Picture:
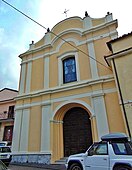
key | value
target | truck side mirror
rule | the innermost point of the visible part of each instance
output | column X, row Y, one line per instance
column 91, row 152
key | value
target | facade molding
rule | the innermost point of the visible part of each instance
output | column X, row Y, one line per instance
column 56, row 121
column 72, row 97
column 69, row 39
column 74, row 101
column 71, row 30
column 74, row 85
column 83, row 31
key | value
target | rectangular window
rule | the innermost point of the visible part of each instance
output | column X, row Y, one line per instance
column 69, row 70
column 122, row 148
column 98, row 149
column 8, row 132
column 11, row 111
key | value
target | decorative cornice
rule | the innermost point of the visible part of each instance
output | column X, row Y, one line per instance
column 81, row 32
column 99, row 27
column 66, row 87
column 77, row 43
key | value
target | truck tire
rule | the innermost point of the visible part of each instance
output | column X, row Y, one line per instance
column 122, row 167
column 75, row 166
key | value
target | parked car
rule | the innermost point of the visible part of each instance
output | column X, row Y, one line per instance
column 5, row 143
column 113, row 152
column 5, row 154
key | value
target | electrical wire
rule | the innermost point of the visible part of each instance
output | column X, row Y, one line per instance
column 54, row 33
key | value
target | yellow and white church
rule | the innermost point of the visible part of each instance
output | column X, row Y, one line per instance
column 68, row 95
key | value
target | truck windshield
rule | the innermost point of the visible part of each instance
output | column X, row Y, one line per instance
column 122, row 148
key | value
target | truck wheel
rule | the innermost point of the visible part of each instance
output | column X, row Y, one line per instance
column 122, row 167
column 75, row 166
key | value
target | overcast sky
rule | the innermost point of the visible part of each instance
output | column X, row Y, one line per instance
column 17, row 32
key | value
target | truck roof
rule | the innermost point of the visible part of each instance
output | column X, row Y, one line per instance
column 114, row 136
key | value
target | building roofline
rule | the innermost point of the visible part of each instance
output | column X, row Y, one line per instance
column 8, row 89
column 117, row 39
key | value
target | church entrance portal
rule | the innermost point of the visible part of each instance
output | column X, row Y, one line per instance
column 77, row 131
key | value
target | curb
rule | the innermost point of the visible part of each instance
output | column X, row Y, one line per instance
column 45, row 166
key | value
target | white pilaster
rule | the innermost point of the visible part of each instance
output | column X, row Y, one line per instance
column 87, row 23
column 60, row 71
column 28, row 77
column 101, row 117
column 47, row 38
column 24, row 130
column 45, row 129
column 77, row 67
column 22, row 81
column 17, row 131
column 93, row 63
column 109, row 17
column 46, row 72
column 114, row 36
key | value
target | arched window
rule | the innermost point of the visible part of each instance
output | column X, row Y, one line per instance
column 69, row 70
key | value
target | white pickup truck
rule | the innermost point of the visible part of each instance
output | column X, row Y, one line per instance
column 113, row 152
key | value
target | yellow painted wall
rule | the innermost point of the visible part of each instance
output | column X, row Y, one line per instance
column 53, row 71
column 124, row 67
column 121, row 44
column 35, row 129
column 37, row 75
column 66, row 24
column 84, row 63
column 103, row 67
column 71, row 92
column 114, row 114
column 99, row 21
column 128, row 108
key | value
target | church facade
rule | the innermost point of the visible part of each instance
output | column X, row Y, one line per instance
column 67, row 96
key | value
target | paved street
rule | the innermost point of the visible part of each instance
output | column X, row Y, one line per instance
column 35, row 167
column 23, row 168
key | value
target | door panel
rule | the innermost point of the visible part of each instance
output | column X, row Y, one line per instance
column 98, row 158
column 77, row 131
column 96, row 162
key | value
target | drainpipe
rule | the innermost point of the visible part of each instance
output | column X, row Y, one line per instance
column 121, row 97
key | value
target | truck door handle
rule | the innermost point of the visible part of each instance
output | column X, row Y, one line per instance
column 105, row 159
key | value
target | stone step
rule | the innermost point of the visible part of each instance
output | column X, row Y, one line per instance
column 61, row 161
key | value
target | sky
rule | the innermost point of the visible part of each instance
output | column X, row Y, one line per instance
column 17, row 31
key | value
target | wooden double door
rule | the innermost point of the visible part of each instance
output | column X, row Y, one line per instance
column 76, row 131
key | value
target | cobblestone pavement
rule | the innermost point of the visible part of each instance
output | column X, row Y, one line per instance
column 35, row 167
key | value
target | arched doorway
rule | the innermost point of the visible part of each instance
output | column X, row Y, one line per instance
column 77, row 131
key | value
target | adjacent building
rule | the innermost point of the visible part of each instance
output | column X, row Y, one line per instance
column 68, row 97
column 7, row 113
column 121, row 63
